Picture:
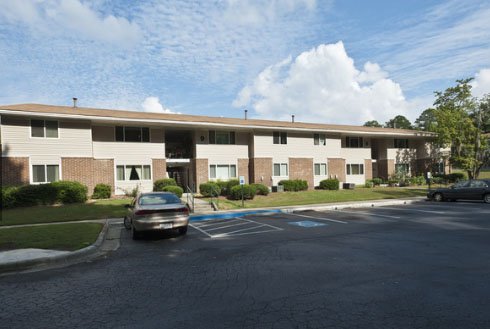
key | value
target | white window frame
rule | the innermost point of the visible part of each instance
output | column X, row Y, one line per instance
column 319, row 139
column 44, row 127
column 229, row 133
column 45, row 164
column 348, row 169
column 124, row 134
column 280, row 134
column 281, row 166
column 215, row 165
column 126, row 179
column 320, row 164
column 360, row 142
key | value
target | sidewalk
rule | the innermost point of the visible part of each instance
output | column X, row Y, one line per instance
column 109, row 237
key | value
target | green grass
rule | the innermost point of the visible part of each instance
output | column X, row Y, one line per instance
column 68, row 237
column 484, row 174
column 72, row 212
column 320, row 196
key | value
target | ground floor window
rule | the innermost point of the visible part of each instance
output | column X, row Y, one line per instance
column 402, row 168
column 355, row 169
column 280, row 169
column 222, row 171
column 438, row 168
column 133, row 172
column 320, row 169
column 45, row 173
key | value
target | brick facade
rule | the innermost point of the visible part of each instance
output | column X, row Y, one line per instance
column 103, row 173
column 261, row 171
column 88, row 171
column 201, row 170
column 386, row 168
column 243, row 169
column 368, row 169
column 302, row 168
column 336, row 168
column 15, row 171
column 159, row 168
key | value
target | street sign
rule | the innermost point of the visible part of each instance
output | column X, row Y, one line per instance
column 242, row 180
column 429, row 175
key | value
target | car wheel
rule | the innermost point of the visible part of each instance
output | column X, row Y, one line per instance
column 438, row 197
column 183, row 230
column 127, row 222
column 486, row 198
column 136, row 235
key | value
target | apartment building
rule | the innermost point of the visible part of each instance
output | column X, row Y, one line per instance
column 44, row 143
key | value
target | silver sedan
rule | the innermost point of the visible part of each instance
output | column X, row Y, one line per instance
column 156, row 211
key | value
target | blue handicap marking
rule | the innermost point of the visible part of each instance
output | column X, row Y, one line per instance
column 307, row 223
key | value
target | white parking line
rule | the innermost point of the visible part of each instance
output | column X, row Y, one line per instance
column 211, row 229
column 327, row 219
column 418, row 210
column 221, row 227
column 365, row 213
column 202, row 231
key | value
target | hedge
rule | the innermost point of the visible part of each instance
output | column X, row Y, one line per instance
column 209, row 189
column 160, row 184
column 177, row 190
column 102, row 191
column 452, row 178
column 329, row 184
column 369, row 183
column 226, row 185
column 377, row 181
column 247, row 190
column 260, row 189
column 294, row 185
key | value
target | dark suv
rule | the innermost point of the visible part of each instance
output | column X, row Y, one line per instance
column 473, row 189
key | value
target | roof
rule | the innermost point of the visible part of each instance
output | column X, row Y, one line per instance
column 182, row 119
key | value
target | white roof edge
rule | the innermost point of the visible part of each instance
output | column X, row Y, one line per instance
column 194, row 123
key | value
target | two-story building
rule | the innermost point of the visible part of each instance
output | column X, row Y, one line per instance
column 43, row 143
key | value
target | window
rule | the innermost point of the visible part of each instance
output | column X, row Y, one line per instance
column 44, row 128
column 45, row 173
column 355, row 169
column 280, row 137
column 402, row 168
column 319, row 139
column 280, row 169
column 320, row 169
column 401, row 143
column 132, row 134
column 224, row 172
column 438, row 168
column 221, row 137
column 478, row 184
column 133, row 172
column 353, row 142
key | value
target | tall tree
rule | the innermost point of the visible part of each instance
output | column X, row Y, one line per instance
column 399, row 122
column 372, row 123
column 426, row 121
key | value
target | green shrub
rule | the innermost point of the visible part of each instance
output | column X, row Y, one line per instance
column 159, row 184
column 393, row 182
column 330, row 184
column 377, row 181
column 70, row 192
column 9, row 197
column 417, row 180
column 260, row 189
column 226, row 185
column 237, row 190
column 177, row 190
column 294, row 185
column 222, row 186
column 102, row 191
column 369, row 183
column 33, row 195
column 209, row 189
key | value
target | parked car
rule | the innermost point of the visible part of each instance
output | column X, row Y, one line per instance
column 473, row 189
column 156, row 211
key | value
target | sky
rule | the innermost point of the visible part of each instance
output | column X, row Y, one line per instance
column 325, row 61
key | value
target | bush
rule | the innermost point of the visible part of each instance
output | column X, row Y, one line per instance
column 417, row 180
column 9, row 197
column 177, row 190
column 393, row 182
column 294, row 185
column 209, row 189
column 260, row 189
column 70, row 192
column 377, row 181
column 33, row 195
column 329, row 184
column 369, row 183
column 159, row 184
column 102, row 191
column 247, row 190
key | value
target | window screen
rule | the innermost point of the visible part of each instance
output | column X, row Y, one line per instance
column 37, row 128
column 38, row 174
column 52, row 129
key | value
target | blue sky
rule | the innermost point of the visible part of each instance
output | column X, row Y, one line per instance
column 324, row 61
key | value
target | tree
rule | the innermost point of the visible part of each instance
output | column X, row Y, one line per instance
column 399, row 122
column 426, row 121
column 372, row 123
column 459, row 124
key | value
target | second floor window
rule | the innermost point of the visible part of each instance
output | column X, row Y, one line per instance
column 280, row 137
column 353, row 142
column 401, row 143
column 221, row 137
column 132, row 134
column 44, row 128
column 319, row 139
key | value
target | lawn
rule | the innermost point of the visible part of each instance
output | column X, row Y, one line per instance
column 67, row 237
column 320, row 196
column 43, row 214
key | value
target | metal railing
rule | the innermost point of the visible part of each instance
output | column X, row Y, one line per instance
column 190, row 197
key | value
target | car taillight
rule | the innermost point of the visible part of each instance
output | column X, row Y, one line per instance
column 184, row 211
column 143, row 212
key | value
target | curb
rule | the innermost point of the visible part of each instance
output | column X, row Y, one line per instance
column 58, row 259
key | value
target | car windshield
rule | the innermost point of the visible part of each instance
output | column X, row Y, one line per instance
column 155, row 199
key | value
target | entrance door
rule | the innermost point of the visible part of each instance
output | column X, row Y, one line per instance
column 180, row 174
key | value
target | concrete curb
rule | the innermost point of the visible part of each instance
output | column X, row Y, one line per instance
column 23, row 265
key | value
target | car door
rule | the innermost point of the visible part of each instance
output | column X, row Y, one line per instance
column 458, row 191
column 476, row 190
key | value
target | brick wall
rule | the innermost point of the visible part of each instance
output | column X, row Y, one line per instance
column 243, row 169
column 159, row 169
column 368, row 168
column 386, row 168
column 103, row 172
column 336, row 167
column 88, row 171
column 201, row 171
column 302, row 168
column 261, row 168
column 15, row 171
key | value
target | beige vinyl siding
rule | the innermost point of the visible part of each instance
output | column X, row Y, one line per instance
column 74, row 139
column 222, row 154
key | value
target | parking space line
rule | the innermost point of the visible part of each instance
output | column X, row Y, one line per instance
column 247, row 233
column 251, row 221
column 221, row 227
column 327, row 219
column 418, row 210
column 365, row 213
column 214, row 223
column 232, row 222
column 202, row 231
column 242, row 230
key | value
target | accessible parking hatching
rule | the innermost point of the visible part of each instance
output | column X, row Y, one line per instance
column 232, row 227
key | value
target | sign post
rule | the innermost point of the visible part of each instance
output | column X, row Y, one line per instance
column 429, row 176
column 242, row 182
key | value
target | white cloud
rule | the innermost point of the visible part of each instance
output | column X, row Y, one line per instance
column 57, row 17
column 152, row 104
column 323, row 85
column 481, row 83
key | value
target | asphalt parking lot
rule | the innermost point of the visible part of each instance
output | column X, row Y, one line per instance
column 424, row 265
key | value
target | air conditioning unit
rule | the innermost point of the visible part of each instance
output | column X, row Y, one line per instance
column 348, row 186
column 278, row 188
